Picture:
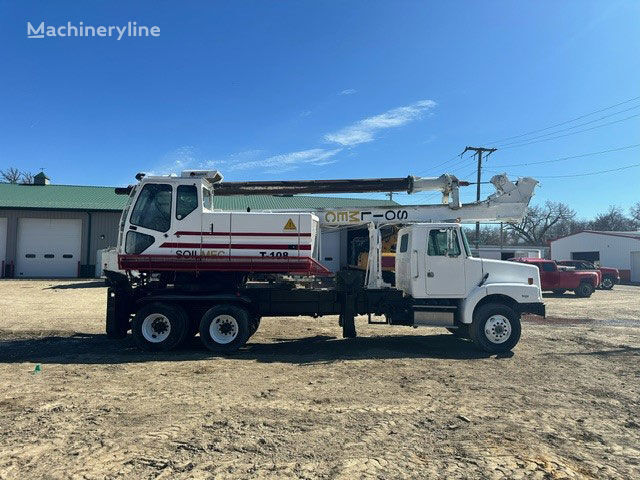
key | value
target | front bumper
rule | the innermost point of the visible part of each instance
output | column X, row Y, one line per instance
column 536, row 308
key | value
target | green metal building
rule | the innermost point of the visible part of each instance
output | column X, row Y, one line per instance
column 51, row 230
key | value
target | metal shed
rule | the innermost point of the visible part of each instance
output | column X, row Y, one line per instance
column 619, row 250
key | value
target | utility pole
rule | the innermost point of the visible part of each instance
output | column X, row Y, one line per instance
column 478, row 153
column 390, row 195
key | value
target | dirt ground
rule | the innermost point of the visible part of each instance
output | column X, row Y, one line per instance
column 300, row 402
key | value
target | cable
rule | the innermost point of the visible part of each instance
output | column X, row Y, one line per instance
column 561, row 159
column 565, row 122
column 574, row 126
column 572, row 133
column 571, row 128
column 590, row 173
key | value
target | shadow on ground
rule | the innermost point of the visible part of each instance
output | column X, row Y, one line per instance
column 67, row 286
column 82, row 348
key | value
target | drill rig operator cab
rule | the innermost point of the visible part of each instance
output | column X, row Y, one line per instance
column 170, row 224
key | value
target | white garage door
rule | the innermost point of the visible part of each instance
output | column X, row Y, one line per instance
column 48, row 247
column 635, row 266
column 3, row 244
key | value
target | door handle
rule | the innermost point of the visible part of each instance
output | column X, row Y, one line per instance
column 430, row 274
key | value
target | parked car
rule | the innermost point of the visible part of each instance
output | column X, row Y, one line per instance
column 560, row 279
column 608, row 276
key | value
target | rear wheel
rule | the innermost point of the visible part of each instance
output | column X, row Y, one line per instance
column 495, row 328
column 225, row 328
column 584, row 290
column 607, row 283
column 160, row 326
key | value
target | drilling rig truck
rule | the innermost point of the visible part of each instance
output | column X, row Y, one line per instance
column 183, row 268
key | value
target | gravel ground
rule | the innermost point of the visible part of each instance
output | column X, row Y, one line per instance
column 300, row 402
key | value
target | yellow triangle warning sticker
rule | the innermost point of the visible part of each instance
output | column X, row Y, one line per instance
column 290, row 225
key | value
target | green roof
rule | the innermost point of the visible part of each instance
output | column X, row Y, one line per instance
column 77, row 197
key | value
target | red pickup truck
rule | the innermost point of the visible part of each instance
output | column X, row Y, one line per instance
column 559, row 280
column 608, row 276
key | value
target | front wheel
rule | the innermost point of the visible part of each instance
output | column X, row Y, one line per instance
column 495, row 328
column 225, row 328
column 607, row 283
column 584, row 290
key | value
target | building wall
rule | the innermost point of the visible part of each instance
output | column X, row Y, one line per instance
column 615, row 251
column 103, row 224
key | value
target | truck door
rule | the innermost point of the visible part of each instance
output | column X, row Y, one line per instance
column 188, row 225
column 445, row 264
column 549, row 275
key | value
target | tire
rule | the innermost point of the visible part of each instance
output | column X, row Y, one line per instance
column 495, row 328
column 160, row 327
column 461, row 332
column 607, row 283
column 225, row 328
column 254, row 324
column 559, row 291
column 584, row 290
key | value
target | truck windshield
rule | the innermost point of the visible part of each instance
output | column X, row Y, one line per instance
column 465, row 242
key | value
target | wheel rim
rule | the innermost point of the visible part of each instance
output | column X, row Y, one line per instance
column 223, row 329
column 607, row 283
column 156, row 328
column 497, row 329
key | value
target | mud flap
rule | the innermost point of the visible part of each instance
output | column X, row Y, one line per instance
column 117, row 322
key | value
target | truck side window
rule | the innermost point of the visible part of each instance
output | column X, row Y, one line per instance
column 547, row 267
column 437, row 246
column 404, row 242
column 153, row 207
column 206, row 199
column 186, row 200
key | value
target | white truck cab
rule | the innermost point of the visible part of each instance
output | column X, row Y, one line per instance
column 434, row 265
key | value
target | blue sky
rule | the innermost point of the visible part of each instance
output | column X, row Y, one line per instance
column 306, row 90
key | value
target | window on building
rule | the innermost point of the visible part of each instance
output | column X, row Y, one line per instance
column 186, row 200
column 153, row 207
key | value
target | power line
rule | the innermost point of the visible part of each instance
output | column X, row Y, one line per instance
column 572, row 133
column 566, row 121
column 568, row 158
column 590, row 173
column 575, row 126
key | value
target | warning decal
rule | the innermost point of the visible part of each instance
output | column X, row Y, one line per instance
column 290, row 225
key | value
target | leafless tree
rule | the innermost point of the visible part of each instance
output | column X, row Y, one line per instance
column 614, row 219
column 635, row 214
column 11, row 175
column 27, row 178
column 539, row 224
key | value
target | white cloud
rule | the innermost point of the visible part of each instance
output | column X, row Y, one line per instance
column 364, row 130
column 289, row 161
column 348, row 91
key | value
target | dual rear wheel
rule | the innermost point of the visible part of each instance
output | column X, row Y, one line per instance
column 164, row 326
